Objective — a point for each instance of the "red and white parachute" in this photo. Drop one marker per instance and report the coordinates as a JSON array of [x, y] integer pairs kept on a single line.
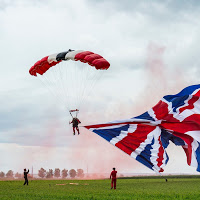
[[89, 57], [70, 82]]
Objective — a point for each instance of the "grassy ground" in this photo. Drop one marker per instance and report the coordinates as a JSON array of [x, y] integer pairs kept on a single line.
[[136, 188]]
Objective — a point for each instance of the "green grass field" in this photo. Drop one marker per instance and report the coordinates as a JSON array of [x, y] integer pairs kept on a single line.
[[131, 188]]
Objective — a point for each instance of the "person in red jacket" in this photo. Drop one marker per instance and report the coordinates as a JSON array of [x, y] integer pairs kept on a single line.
[[113, 177], [75, 122]]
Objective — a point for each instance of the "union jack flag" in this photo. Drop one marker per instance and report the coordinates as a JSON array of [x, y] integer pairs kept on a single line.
[[175, 118]]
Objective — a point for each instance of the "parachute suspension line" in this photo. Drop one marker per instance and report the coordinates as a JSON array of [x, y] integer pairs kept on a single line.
[[95, 78], [50, 89], [83, 83], [52, 79], [77, 113], [66, 83], [50, 83], [62, 81], [71, 114], [70, 77], [74, 76], [56, 81], [85, 90], [77, 81], [71, 82]]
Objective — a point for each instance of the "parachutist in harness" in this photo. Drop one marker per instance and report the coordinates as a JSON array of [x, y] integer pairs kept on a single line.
[[75, 121]]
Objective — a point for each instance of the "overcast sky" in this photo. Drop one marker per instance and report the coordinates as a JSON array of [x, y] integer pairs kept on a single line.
[[131, 35]]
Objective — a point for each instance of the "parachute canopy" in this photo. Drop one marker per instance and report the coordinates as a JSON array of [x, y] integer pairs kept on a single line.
[[175, 118], [70, 82], [89, 57]]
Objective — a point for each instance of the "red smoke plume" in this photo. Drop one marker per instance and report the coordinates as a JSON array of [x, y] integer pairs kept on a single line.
[[98, 154]]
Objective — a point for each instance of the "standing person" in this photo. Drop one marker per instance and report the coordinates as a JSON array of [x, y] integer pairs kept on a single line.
[[113, 177], [75, 122], [25, 176]]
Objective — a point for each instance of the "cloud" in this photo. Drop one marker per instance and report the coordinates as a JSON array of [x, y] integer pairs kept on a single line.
[[122, 32]]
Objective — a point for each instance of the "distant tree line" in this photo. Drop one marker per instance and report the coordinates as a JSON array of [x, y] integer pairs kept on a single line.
[[9, 174], [42, 173]]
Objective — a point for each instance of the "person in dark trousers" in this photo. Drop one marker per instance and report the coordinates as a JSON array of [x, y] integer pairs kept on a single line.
[[113, 177], [25, 176], [75, 122]]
